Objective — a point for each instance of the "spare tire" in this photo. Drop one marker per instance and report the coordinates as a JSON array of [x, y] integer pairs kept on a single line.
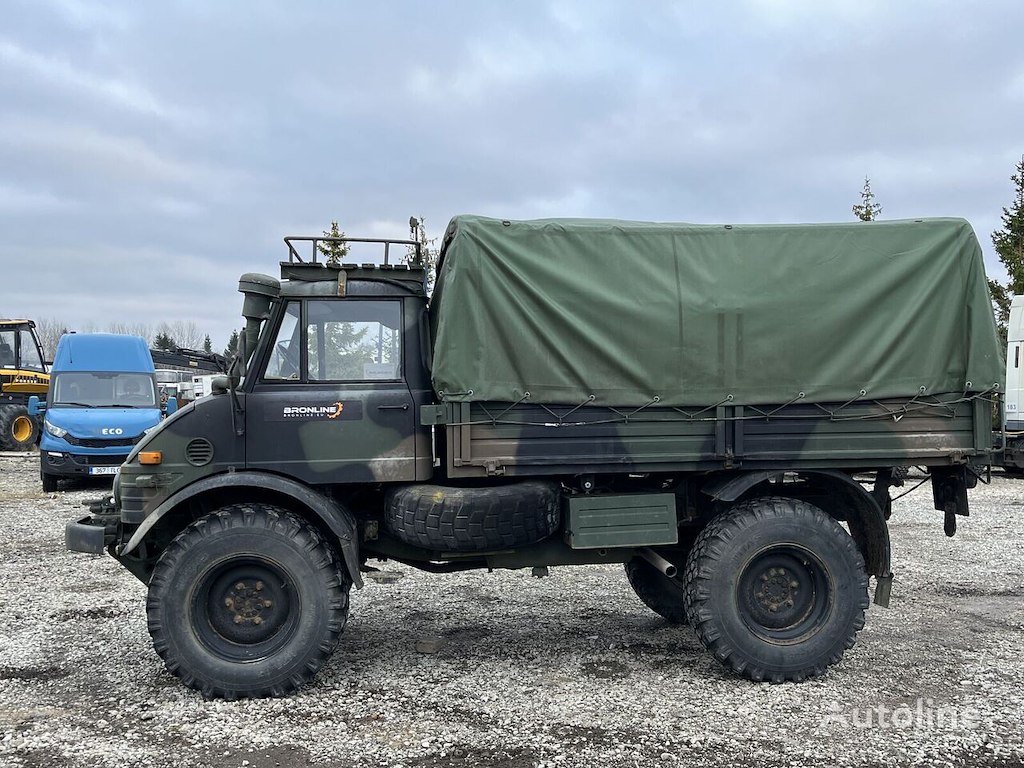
[[452, 519]]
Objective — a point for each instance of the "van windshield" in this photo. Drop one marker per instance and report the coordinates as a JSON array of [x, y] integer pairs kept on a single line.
[[103, 389]]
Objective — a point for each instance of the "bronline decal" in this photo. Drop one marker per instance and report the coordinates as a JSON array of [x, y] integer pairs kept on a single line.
[[332, 411]]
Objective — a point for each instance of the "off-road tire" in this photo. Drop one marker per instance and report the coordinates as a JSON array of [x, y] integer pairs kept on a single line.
[[18, 430], [657, 591], [49, 482], [473, 519], [740, 591], [248, 601]]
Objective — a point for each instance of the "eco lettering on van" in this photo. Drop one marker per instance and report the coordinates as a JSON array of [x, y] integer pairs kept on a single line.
[[112, 431]]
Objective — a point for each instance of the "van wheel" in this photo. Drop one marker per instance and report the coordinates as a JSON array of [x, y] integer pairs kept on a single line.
[[18, 430], [247, 601], [776, 589], [473, 519], [49, 482]]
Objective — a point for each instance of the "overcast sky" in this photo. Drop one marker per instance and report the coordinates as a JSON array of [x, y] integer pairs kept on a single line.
[[152, 152]]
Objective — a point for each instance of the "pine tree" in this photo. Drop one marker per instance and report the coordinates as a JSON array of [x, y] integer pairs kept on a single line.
[[332, 250], [207, 346], [867, 209], [164, 341], [232, 347], [1009, 241], [1009, 245]]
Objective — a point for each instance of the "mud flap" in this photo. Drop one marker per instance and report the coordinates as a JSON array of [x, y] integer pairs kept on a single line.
[[949, 492]]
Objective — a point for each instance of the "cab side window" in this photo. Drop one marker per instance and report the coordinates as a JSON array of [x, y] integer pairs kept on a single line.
[[284, 362], [29, 352], [7, 349], [351, 340]]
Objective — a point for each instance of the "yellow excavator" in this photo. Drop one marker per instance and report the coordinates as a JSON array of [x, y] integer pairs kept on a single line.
[[23, 373]]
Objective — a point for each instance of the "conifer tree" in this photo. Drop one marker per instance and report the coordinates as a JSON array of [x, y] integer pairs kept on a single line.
[[867, 209], [1009, 245]]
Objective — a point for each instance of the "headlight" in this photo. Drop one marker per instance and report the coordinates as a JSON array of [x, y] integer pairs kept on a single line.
[[55, 431]]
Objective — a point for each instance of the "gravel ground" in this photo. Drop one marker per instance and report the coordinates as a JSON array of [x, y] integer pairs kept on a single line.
[[570, 670]]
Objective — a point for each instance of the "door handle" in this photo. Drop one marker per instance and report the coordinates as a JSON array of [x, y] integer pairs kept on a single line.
[[402, 407]]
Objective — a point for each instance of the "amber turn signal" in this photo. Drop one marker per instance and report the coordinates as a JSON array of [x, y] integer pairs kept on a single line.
[[150, 457]]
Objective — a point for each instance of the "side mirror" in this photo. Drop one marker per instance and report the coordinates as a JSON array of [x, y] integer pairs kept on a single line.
[[219, 385], [34, 406], [171, 405]]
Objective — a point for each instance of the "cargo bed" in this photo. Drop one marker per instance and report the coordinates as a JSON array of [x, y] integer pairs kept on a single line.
[[522, 439]]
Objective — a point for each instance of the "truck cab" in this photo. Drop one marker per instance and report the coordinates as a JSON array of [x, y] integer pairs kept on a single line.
[[334, 388], [102, 400]]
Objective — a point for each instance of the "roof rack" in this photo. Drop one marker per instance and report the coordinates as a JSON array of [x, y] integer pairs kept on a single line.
[[408, 271], [295, 258]]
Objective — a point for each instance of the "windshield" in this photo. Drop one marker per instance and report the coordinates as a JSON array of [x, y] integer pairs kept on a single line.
[[170, 376], [103, 389]]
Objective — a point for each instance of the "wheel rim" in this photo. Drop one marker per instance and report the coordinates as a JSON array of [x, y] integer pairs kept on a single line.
[[785, 594], [21, 429], [245, 608]]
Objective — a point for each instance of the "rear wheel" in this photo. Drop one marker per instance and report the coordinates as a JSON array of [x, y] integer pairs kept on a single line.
[[247, 601], [18, 430], [776, 589]]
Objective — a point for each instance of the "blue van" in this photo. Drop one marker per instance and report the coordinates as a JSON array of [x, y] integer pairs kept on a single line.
[[102, 399]]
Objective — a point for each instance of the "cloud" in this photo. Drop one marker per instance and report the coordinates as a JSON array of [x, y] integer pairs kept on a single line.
[[195, 135], [63, 75], [20, 201], [93, 161], [89, 14]]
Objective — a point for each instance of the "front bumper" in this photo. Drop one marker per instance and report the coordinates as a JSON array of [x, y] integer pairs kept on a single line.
[[87, 535], [65, 464], [95, 532]]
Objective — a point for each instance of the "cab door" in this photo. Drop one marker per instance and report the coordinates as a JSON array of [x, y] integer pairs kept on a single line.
[[331, 403]]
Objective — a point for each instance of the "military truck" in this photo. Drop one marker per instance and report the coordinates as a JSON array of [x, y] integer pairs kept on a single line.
[[716, 408]]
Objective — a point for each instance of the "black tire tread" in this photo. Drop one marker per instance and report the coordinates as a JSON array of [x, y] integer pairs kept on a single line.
[[8, 413], [653, 589], [49, 482], [253, 515], [709, 547], [473, 519]]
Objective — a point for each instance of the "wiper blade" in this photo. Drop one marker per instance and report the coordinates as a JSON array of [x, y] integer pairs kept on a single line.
[[79, 405]]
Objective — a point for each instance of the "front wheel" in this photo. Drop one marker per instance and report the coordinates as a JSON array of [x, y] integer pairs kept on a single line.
[[18, 430], [776, 589], [49, 482], [247, 601]]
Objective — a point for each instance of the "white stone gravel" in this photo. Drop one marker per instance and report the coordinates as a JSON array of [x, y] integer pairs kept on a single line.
[[565, 671]]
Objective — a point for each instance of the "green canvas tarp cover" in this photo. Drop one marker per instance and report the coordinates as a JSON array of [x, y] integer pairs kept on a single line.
[[691, 314]]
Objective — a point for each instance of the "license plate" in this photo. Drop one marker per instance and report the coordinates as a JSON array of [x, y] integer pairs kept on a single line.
[[103, 470]]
